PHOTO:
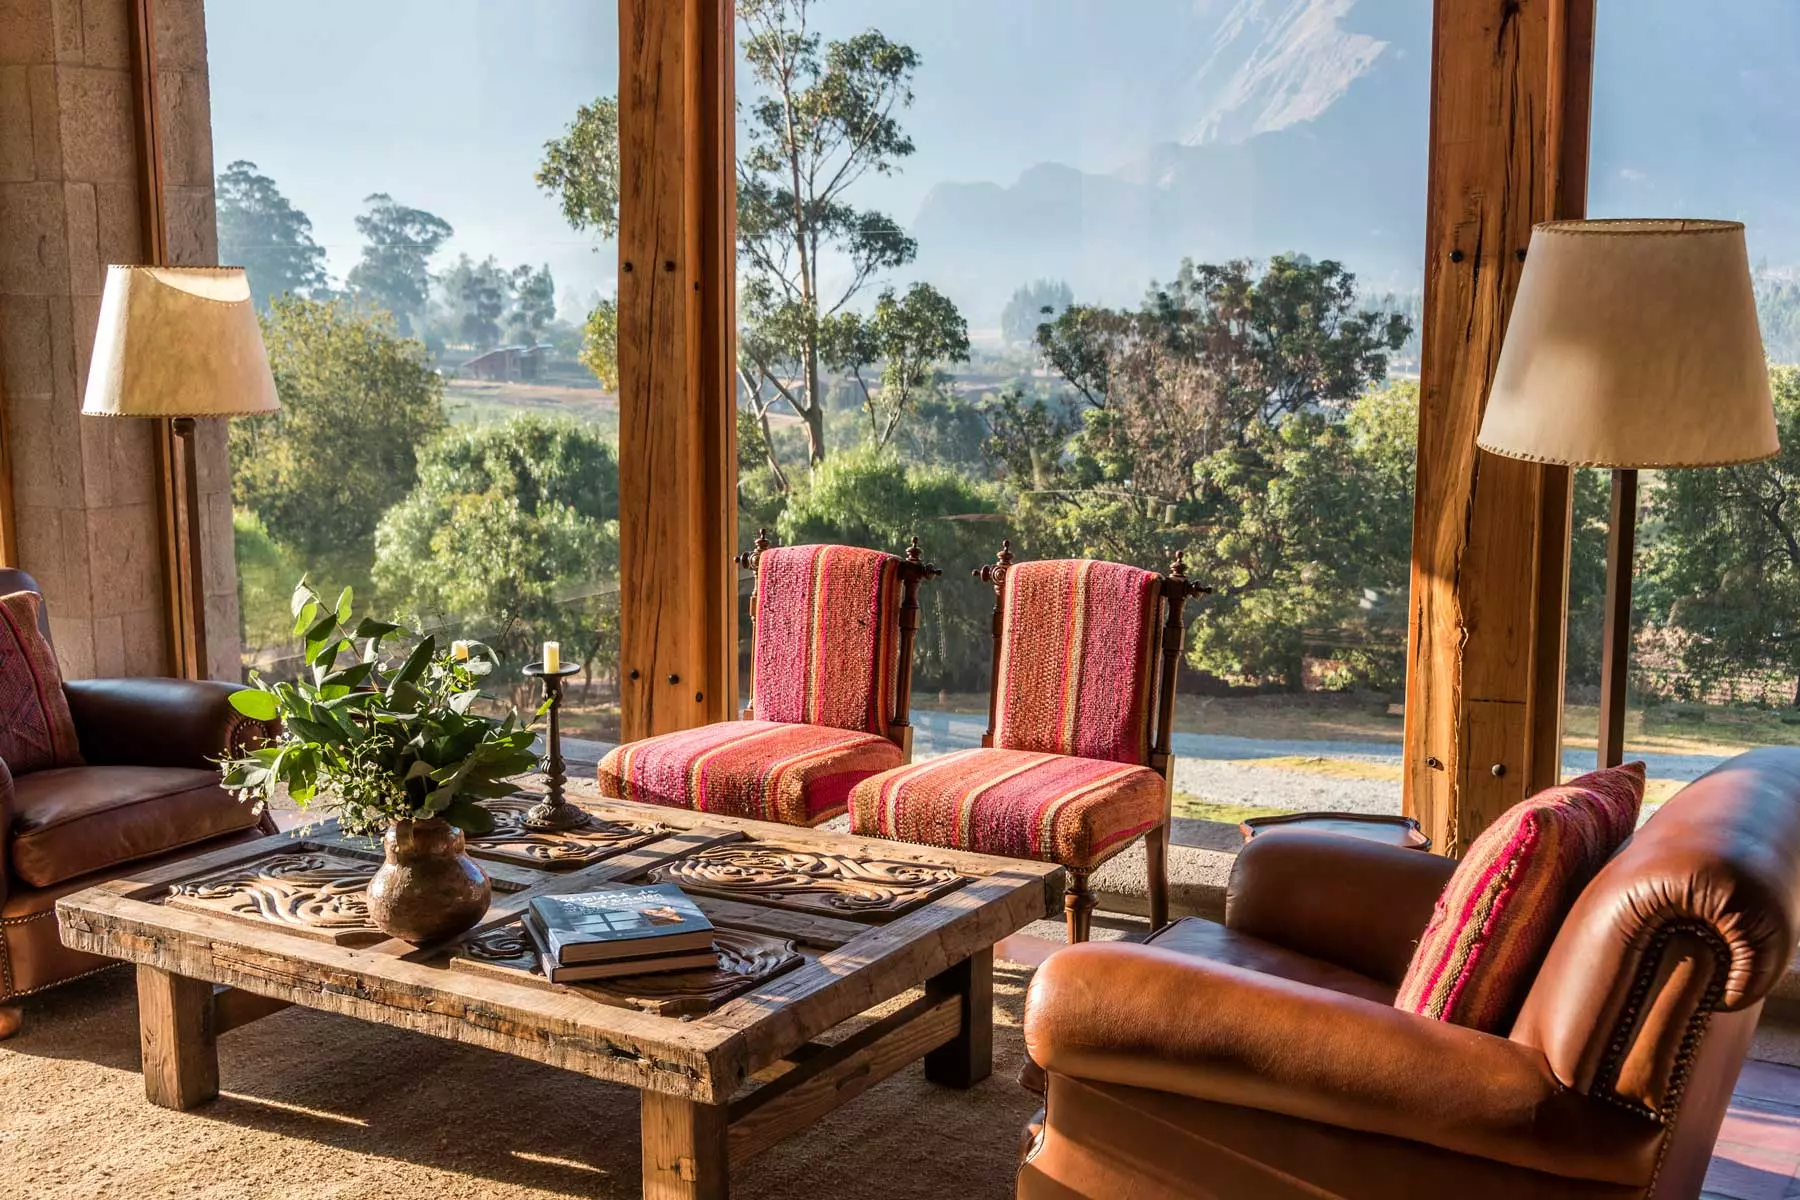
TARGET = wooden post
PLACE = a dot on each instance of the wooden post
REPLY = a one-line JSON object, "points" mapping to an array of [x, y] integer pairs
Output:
{"points": [[968, 1058], [677, 386], [914, 572], [1615, 638], [1509, 130], [686, 1152], [995, 573], [175, 1027]]}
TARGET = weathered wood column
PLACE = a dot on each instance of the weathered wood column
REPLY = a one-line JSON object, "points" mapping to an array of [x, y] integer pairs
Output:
{"points": [[677, 427], [1510, 86]]}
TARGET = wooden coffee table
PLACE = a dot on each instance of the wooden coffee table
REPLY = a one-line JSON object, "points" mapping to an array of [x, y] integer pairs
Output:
{"points": [[815, 928]]}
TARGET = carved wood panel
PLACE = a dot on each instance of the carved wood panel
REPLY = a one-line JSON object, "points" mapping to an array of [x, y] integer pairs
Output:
{"points": [[811, 880], [745, 960], [313, 892], [512, 842]]}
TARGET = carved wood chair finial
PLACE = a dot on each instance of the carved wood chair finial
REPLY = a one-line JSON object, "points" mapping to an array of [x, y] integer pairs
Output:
{"points": [[749, 559], [1178, 576], [915, 558], [995, 572]]}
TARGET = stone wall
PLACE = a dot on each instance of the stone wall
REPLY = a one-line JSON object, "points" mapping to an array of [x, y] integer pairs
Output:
{"points": [[84, 489]]}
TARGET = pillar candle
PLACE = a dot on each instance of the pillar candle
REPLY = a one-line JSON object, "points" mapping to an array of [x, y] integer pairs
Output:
{"points": [[552, 656], [459, 651]]}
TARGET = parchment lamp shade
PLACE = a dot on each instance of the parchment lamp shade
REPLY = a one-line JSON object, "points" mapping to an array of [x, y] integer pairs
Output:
{"points": [[178, 342], [1632, 345]]}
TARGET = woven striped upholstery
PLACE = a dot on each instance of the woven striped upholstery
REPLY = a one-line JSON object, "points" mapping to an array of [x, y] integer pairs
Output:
{"points": [[827, 637], [36, 729], [1016, 803], [795, 774], [1509, 895], [1077, 651]]}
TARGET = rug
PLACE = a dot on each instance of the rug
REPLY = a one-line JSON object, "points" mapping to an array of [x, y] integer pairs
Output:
{"points": [[325, 1107]]}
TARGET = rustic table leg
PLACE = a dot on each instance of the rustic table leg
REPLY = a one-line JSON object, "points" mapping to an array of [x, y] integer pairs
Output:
{"points": [[684, 1149], [968, 1058], [175, 1024]]}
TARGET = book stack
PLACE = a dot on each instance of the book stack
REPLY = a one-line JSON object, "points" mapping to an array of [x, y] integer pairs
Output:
{"points": [[628, 931]]}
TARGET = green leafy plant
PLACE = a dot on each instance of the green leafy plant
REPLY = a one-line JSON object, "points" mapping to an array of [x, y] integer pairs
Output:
{"points": [[379, 738]]}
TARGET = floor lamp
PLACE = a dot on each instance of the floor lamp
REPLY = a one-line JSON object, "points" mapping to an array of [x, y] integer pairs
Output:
{"points": [[176, 344], [1632, 345]]}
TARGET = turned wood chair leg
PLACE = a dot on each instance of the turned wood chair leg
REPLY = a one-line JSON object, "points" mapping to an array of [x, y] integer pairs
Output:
{"points": [[1078, 906], [11, 1017], [1156, 854]]}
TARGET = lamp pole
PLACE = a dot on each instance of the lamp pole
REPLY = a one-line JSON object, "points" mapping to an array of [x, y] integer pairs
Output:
{"points": [[1615, 637]]}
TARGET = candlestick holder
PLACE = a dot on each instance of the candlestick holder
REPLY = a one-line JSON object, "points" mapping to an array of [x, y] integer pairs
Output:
{"points": [[554, 814]]}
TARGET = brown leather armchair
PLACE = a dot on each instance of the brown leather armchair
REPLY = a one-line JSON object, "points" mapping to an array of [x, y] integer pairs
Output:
{"points": [[1263, 1057], [149, 791]]}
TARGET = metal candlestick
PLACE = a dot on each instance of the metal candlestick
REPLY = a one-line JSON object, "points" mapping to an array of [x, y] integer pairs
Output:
{"points": [[554, 814]]}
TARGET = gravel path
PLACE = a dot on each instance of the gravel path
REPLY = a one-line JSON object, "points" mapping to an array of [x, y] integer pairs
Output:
{"points": [[1217, 768]]}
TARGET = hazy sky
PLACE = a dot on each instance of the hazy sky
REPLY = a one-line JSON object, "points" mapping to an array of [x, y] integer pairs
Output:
{"points": [[445, 104]]}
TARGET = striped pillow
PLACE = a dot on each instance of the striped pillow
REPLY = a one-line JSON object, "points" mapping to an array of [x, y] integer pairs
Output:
{"points": [[36, 730], [1502, 908]]}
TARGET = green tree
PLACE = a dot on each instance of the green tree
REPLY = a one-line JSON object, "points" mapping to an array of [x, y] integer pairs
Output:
{"points": [[533, 304], [478, 294], [912, 336], [868, 497], [272, 240], [824, 117], [512, 533], [394, 272], [1032, 305], [1722, 573], [581, 169], [357, 402]]}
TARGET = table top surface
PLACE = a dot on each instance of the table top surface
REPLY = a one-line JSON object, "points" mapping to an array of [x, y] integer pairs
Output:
{"points": [[814, 928]]}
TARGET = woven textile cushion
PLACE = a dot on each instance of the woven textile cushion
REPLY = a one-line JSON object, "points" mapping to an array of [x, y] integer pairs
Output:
{"points": [[1016, 803], [36, 730], [1501, 909], [1077, 651], [827, 637], [795, 774]]}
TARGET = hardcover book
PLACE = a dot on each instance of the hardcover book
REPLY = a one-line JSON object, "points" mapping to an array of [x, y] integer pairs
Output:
{"points": [[635, 922], [652, 964]]}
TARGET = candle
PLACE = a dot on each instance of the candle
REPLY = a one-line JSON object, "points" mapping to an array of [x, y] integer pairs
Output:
{"points": [[459, 651], [552, 657]]}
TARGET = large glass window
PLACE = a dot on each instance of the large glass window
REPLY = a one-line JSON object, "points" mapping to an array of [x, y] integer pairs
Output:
{"points": [[1109, 280], [424, 193], [1693, 118]]}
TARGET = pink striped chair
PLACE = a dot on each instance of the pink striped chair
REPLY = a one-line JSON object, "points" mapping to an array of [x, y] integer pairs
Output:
{"points": [[830, 680], [1085, 655]]}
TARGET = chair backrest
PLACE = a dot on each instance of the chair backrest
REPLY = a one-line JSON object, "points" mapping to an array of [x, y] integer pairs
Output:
{"points": [[1652, 988], [1076, 659], [13, 580], [826, 644]]}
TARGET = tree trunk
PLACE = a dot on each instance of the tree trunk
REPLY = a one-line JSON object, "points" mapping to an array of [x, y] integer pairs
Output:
{"points": [[815, 404]]}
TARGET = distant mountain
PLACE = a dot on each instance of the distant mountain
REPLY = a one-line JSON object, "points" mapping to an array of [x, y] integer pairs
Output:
{"points": [[1307, 125]]}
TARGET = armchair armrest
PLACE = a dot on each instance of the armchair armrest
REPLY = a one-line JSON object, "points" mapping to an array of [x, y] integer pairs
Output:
{"points": [[6, 819], [1141, 1017], [1359, 904], [159, 722]]}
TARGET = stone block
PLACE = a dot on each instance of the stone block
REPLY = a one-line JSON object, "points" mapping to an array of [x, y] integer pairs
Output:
{"points": [[99, 134], [30, 32], [26, 352], [34, 253], [74, 646], [121, 226], [66, 24], [218, 553], [53, 548], [106, 33], [18, 161], [181, 35], [119, 454], [84, 316], [46, 453], [224, 642], [186, 109], [146, 642], [82, 223], [193, 227], [46, 123], [214, 465], [109, 647], [125, 559]]}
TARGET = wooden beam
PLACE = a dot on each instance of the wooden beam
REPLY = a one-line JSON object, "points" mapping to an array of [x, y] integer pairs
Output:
{"points": [[677, 394], [1510, 87]]}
